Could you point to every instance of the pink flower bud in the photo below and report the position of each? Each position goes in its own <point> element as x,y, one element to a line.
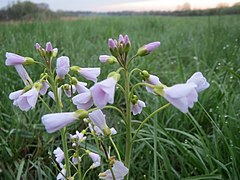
<point>49,47</point>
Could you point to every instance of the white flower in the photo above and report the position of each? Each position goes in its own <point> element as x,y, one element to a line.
<point>153,80</point>
<point>90,73</point>
<point>62,174</point>
<point>83,100</point>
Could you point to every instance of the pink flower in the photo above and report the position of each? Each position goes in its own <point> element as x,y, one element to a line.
<point>126,39</point>
<point>37,46</point>
<point>59,154</point>
<point>90,73</point>
<point>83,100</point>
<point>103,92</point>
<point>182,96</point>
<point>56,121</point>
<point>137,107</point>
<point>198,79</point>
<point>120,39</point>
<point>27,100</point>
<point>14,59</point>
<point>63,66</point>
<point>119,171</point>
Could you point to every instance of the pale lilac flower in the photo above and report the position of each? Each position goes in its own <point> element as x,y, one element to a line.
<point>62,174</point>
<point>148,48</point>
<point>57,121</point>
<point>44,88</point>
<point>14,59</point>
<point>80,87</point>
<point>59,155</point>
<point>37,46</point>
<point>28,100</point>
<point>104,58</point>
<point>79,137</point>
<point>69,90</point>
<point>152,46</point>
<point>15,95</point>
<point>49,47</point>
<point>111,44</point>
<point>153,80</point>
<point>83,100</point>
<point>23,74</point>
<point>103,92</point>
<point>51,94</point>
<point>119,171</point>
<point>113,131</point>
<point>126,39</point>
<point>63,66</point>
<point>95,129</point>
<point>98,118</point>
<point>137,107</point>
<point>75,160</point>
<point>90,73</point>
<point>120,39</point>
<point>182,96</point>
<point>95,158</point>
<point>198,79</point>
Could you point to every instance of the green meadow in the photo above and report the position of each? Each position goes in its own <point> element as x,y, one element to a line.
<point>201,145</point>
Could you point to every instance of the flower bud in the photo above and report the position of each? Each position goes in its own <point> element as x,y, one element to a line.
<point>127,44</point>
<point>75,68</point>
<point>38,47</point>
<point>28,61</point>
<point>114,75</point>
<point>74,81</point>
<point>146,49</point>
<point>158,89</point>
<point>81,114</point>
<point>108,59</point>
<point>145,75</point>
<point>49,47</point>
<point>134,99</point>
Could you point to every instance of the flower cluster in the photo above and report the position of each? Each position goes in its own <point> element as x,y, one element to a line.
<point>85,106</point>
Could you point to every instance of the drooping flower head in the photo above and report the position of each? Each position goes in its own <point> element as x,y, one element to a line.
<point>118,169</point>
<point>95,158</point>
<point>69,90</point>
<point>136,105</point>
<point>88,73</point>
<point>150,79</point>
<point>107,59</point>
<point>63,66</point>
<point>98,119</point>
<point>103,92</point>
<point>56,121</point>
<point>62,174</point>
<point>14,59</point>
<point>83,100</point>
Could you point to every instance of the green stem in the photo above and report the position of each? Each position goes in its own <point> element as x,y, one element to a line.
<point>115,147</point>
<point>142,84</point>
<point>132,71</point>
<point>128,123</point>
<point>45,104</point>
<point>79,165</point>
<point>86,173</point>
<point>147,119</point>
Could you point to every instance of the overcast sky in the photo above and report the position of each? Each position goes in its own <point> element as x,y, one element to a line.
<point>119,5</point>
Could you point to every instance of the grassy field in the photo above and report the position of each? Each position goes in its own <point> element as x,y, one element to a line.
<point>172,145</point>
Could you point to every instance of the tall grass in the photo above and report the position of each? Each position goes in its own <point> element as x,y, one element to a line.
<point>203,144</point>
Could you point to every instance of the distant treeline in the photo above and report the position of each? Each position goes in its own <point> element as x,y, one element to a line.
<point>26,11</point>
<point>32,11</point>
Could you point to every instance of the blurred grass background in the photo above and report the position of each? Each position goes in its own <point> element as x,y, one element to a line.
<point>172,145</point>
